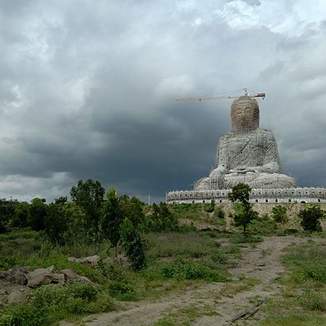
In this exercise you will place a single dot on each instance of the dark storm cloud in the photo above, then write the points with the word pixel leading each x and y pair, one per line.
pixel 87 90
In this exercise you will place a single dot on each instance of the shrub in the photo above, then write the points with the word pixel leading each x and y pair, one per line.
pixel 279 214
pixel 132 244
pixel 122 290
pixel 186 270
pixel 50 303
pixel 161 219
pixel 310 218
pixel 219 212
pixel 23 315
pixel 313 300
pixel 210 207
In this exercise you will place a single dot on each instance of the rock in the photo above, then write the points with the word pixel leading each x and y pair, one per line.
pixel 17 296
pixel 43 276
pixel 91 260
pixel 71 276
pixel 15 275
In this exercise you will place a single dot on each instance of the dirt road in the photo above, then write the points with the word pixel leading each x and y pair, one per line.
pixel 217 303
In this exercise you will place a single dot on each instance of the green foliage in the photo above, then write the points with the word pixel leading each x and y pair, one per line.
pixel 188 270
pixel 313 300
pixel 132 244
pixel 243 212
pixel 279 214
pixel 56 223
pixel 38 212
pixel 23 315
pixel 310 218
pixel 132 208
pixel 210 207
pixel 161 219
pixel 112 218
pixel 122 290
pixel 21 215
pixel 240 192
pixel 89 196
pixel 219 212
pixel 54 302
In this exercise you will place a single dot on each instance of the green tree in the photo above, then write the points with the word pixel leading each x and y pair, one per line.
pixel 38 211
pixel 89 196
pixel 76 224
pixel 21 215
pixel 243 212
pixel 162 219
pixel 132 208
pixel 310 218
pixel 132 244
pixel 279 214
pixel 112 218
pixel 56 223
pixel 3 229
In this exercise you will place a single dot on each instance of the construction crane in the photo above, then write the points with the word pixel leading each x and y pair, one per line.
pixel 212 98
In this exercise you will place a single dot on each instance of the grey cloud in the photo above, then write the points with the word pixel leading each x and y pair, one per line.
pixel 87 91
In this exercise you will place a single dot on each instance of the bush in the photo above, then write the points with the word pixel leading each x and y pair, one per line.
pixel 161 219
pixel 310 218
pixel 279 214
pixel 219 212
pixel 132 244
pixel 313 300
pixel 50 303
pixel 23 315
pixel 122 290
pixel 186 270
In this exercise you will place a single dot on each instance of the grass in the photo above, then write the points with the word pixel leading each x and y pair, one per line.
pixel 303 301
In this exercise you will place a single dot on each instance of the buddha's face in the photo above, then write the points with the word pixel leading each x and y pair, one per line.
pixel 245 115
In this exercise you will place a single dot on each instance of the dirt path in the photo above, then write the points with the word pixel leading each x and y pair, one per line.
pixel 218 303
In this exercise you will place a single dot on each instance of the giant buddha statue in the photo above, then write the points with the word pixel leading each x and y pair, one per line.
pixel 247 154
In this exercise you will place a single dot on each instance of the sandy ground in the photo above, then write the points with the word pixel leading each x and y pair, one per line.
pixel 261 263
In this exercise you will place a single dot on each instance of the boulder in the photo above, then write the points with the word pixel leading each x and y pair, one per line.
pixel 17 296
pixel 71 276
pixel 91 260
pixel 43 276
pixel 15 275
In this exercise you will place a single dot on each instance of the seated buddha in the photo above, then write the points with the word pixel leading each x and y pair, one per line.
pixel 248 154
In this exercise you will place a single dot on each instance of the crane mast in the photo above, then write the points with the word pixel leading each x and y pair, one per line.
pixel 213 98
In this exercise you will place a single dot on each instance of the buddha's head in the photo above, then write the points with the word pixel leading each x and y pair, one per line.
pixel 244 114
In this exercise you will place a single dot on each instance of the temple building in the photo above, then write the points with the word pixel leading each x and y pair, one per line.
pixel 248 154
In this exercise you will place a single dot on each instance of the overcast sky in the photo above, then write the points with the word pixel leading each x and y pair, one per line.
pixel 87 89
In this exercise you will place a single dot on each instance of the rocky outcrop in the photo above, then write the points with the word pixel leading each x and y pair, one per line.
pixel 41 276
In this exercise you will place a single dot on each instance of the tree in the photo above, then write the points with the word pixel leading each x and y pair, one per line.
pixel 111 218
pixel 38 211
pixel 279 214
pixel 162 219
pixel 310 218
pixel 132 208
pixel 56 223
pixel 89 196
pixel 132 244
pixel 21 215
pixel 243 212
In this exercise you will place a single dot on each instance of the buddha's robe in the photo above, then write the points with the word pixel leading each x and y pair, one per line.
pixel 252 158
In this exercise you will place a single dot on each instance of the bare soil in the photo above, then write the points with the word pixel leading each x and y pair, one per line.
pixel 214 303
